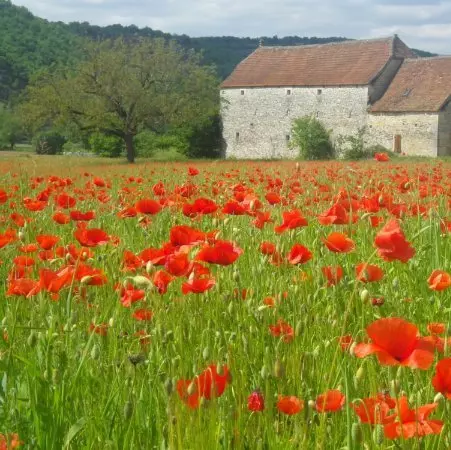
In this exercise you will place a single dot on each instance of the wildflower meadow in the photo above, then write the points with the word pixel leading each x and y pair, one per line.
pixel 225 305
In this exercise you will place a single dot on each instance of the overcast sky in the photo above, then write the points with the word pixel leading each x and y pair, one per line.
pixel 424 24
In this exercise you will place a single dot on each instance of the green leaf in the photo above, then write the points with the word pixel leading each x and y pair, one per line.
pixel 75 429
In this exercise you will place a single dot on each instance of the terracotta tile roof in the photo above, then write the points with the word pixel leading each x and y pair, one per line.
pixel 421 85
pixel 336 64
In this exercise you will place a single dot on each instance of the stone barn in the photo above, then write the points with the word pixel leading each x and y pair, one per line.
pixel 338 83
pixel 414 115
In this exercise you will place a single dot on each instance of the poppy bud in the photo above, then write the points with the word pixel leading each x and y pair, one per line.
pixel 86 279
pixel 32 339
pixel 279 369
pixel 230 308
pixel 191 388
pixel 236 275
pixel 206 353
pixel 364 295
pixel 357 433
pixel 311 404
pixel 149 267
pixel 21 235
pixel 395 282
pixel 95 352
pixel 214 222
pixel 352 347
pixel 264 372
pixel 142 282
pixel 68 257
pixel 128 410
pixel 111 322
pixel 4 321
pixel 378 434
pixel 439 398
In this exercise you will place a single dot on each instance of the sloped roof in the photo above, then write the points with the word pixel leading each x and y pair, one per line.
pixel 421 85
pixel 336 64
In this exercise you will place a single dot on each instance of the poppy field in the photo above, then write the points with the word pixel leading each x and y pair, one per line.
pixel 225 305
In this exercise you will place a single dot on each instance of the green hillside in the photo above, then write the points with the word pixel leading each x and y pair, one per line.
pixel 29 44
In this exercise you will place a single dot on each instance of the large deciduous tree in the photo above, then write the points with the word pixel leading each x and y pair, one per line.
pixel 123 87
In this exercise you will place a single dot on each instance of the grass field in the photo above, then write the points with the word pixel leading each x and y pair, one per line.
pixel 224 305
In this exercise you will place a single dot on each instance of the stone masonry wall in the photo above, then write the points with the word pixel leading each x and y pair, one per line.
pixel 444 132
pixel 257 123
pixel 419 132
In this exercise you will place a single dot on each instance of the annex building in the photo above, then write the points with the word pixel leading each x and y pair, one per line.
pixel 403 101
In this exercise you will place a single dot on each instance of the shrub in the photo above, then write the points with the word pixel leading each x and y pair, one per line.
pixel 353 147
pixel 145 144
pixel 106 145
pixel 311 138
pixel 205 139
pixel 48 143
pixel 377 148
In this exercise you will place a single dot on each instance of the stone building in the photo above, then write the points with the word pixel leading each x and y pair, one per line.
pixel 415 111
pixel 345 85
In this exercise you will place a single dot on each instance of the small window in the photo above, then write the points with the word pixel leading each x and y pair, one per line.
pixel 319 91
pixel 287 137
pixel 317 113
pixel 242 91
pixel 237 135
pixel 288 91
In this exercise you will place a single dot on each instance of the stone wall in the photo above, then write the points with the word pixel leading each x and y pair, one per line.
pixel 257 121
pixel 419 132
pixel 444 131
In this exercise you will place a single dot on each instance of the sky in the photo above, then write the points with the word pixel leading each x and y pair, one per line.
pixel 423 24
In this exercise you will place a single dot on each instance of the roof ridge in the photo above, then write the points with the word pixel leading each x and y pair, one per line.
pixel 345 41
pixel 428 58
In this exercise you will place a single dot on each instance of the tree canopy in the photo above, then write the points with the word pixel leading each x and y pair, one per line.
pixel 120 88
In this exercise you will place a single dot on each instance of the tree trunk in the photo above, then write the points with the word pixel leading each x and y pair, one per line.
pixel 130 147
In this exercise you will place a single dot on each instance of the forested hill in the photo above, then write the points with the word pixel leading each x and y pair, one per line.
pixel 29 44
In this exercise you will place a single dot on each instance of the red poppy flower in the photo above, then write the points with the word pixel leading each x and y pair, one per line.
pixel 148 206
pixel 273 198
pixel 198 285
pixel 209 384
pixel 439 280
pixel 336 215
pixel 345 342
pixel 339 243
pixel 267 248
pixel 90 276
pixel 3 196
pixel 442 377
pixel 193 171
pixel 374 410
pixel 256 402
pixel 161 280
pixel 299 254
pixel 47 241
pixel 381 157
pixel 368 273
pixel 184 235
pixel 91 237
pixel 413 422
pixel 291 220
pixel 130 294
pixel 223 253
pixel 333 274
pixel 262 218
pixel 234 208
pixel 10 442
pixel 23 260
pixel 61 218
pixel 65 201
pixel 25 287
pixel 396 342
pixel 101 329
pixel 34 205
pixel 282 329
pixel 82 216
pixel 53 282
pixel 177 264
pixel 392 244
pixel 331 401
pixel 143 314
pixel 289 405
pixel 436 327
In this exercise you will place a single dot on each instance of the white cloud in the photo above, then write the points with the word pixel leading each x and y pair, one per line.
pixel 421 23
